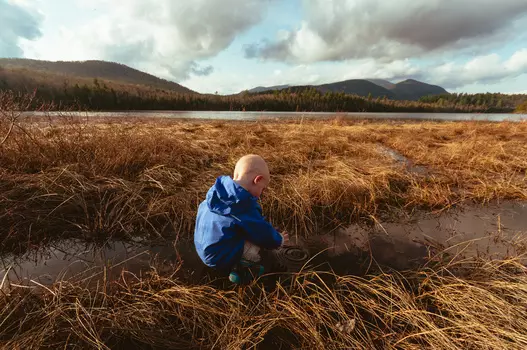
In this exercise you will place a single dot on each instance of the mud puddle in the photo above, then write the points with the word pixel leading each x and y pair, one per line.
pixel 493 231
pixel 402 160
pixel 75 260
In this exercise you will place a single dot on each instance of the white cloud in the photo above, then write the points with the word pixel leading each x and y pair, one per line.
pixel 480 70
pixel 518 61
pixel 164 37
pixel 18 22
pixel 393 30
pixel 524 92
pixel 337 40
pixel 233 80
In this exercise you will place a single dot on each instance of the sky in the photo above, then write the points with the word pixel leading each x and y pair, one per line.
pixel 227 46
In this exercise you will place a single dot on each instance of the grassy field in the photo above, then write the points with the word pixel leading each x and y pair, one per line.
pixel 101 179
pixel 469 305
pixel 115 178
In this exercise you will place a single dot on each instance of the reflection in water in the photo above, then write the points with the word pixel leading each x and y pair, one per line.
pixel 75 260
pixel 399 158
pixel 284 115
pixel 490 231
pixel 494 231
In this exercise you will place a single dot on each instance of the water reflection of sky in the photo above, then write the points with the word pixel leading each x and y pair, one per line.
pixel 227 115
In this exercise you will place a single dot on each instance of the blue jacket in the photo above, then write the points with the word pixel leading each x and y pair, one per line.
pixel 229 216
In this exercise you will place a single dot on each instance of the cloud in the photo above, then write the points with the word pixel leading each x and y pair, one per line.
pixel 17 23
pixel 485 69
pixel 202 71
pixel 475 75
pixel 236 80
pixel 315 74
pixel 165 37
pixel 392 30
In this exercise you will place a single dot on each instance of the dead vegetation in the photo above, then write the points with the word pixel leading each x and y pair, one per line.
pixel 463 305
pixel 69 177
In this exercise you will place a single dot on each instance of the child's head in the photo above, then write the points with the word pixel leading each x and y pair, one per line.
pixel 251 172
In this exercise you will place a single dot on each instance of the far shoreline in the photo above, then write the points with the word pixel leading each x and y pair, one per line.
pixel 258 115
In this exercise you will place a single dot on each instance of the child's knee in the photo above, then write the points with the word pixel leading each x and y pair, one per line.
pixel 251 252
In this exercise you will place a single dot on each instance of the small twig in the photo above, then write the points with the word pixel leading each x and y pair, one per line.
pixel 8 133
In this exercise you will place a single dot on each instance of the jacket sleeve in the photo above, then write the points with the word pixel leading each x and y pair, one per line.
pixel 259 231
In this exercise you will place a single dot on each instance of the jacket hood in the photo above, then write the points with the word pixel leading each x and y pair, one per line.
pixel 227 197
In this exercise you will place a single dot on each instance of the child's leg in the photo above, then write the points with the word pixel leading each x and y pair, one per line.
pixel 248 268
pixel 251 252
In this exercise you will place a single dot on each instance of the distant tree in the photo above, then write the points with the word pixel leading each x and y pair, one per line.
pixel 522 108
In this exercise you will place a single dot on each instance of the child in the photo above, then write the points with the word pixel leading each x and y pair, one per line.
pixel 230 228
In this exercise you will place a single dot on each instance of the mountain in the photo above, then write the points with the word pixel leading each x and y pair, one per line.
pixel 384 83
pixel 359 87
pixel 413 90
pixel 102 70
pixel 269 88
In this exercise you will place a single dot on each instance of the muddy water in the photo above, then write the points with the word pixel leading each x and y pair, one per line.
pixel 402 160
pixel 75 260
pixel 493 231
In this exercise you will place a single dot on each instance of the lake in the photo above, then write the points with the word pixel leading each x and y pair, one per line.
pixel 227 115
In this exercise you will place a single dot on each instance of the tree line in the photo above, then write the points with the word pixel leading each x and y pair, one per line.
pixel 492 101
pixel 95 94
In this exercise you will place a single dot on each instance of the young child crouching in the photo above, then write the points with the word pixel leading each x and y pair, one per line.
pixel 230 229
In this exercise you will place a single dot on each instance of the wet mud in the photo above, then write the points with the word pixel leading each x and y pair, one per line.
pixel 400 159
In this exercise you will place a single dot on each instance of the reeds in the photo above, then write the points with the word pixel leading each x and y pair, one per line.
pixel 69 177
pixel 100 179
pixel 474 304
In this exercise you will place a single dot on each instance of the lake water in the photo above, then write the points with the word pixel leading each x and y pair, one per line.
pixel 297 115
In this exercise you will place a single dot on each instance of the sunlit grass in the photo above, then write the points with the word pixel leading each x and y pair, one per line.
pixel 473 304
pixel 101 179
pixel 121 178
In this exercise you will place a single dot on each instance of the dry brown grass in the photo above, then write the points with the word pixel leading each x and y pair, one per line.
pixel 467 305
pixel 102 179
pixel 119 178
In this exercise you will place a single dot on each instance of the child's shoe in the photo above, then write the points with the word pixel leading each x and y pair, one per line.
pixel 245 271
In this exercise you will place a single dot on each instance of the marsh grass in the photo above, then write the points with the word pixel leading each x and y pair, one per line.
pixel 69 177
pixel 95 179
pixel 474 304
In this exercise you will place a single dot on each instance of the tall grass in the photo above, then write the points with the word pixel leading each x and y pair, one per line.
pixel 69 177
pixel 100 179
pixel 466 305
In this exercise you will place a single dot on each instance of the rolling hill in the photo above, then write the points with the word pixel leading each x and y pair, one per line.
pixel 359 87
pixel 99 85
pixel 413 90
pixel 410 89
pixel 268 88
pixel 29 74
pixel 384 83
pixel 108 71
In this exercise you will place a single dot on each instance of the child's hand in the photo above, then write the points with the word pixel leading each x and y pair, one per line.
pixel 285 238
